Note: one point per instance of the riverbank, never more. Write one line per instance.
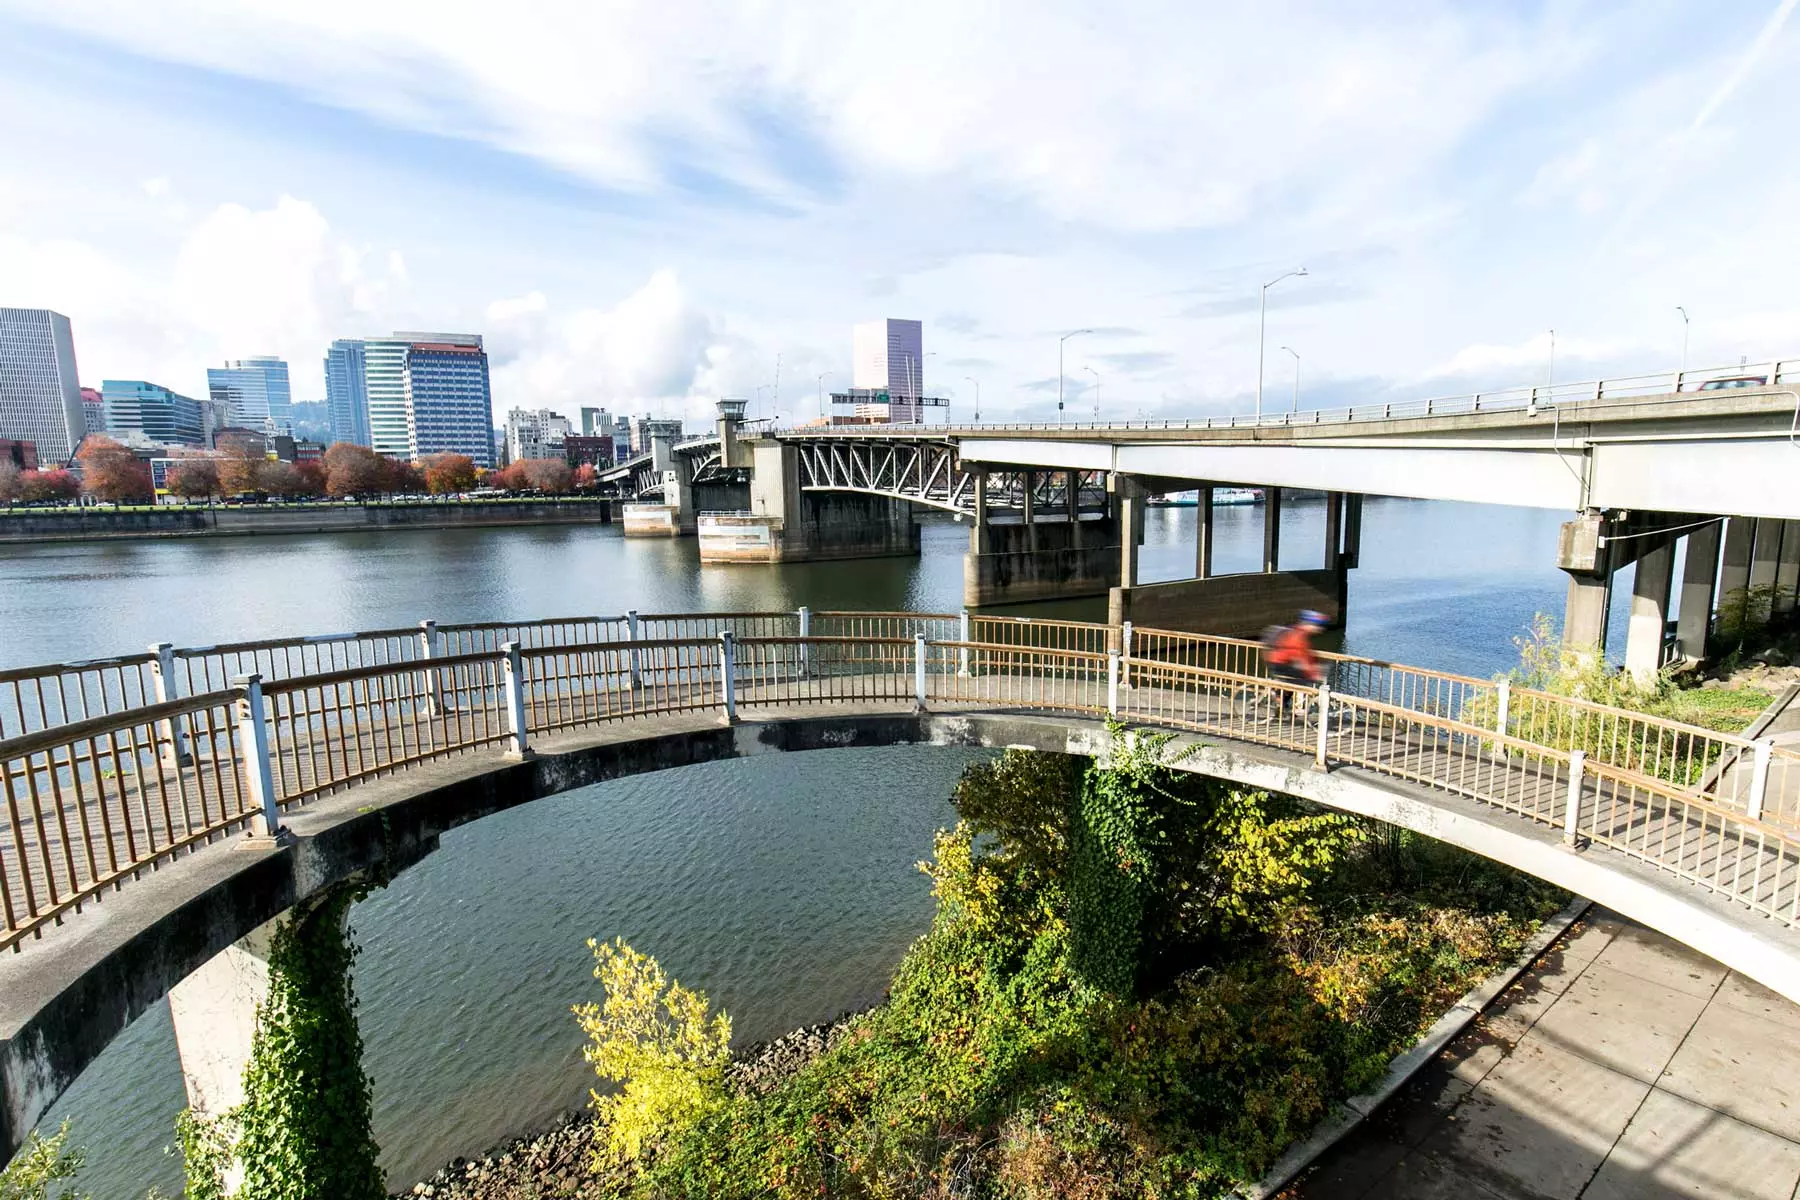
(108, 524)
(555, 1162)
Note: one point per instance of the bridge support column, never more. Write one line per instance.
(1699, 577)
(1765, 557)
(1583, 552)
(1649, 613)
(1271, 530)
(1203, 538)
(785, 524)
(1131, 522)
(1734, 570)
(1787, 569)
(1011, 562)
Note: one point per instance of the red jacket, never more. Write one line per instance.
(1294, 649)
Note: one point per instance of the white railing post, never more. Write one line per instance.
(259, 768)
(1759, 777)
(1572, 812)
(1324, 723)
(167, 687)
(962, 635)
(728, 676)
(428, 650)
(1503, 707)
(632, 631)
(1112, 683)
(512, 675)
(919, 670)
(805, 615)
(1125, 654)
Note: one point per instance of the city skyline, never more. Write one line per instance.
(1458, 182)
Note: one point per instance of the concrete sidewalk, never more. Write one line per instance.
(1623, 1066)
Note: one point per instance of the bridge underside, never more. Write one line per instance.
(64, 999)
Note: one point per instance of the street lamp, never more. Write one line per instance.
(1684, 338)
(977, 384)
(1262, 325)
(1096, 376)
(822, 375)
(1059, 368)
(1295, 407)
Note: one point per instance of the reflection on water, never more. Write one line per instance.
(782, 885)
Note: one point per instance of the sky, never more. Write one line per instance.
(648, 206)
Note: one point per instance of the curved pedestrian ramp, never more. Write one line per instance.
(158, 806)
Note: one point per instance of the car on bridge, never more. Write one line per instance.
(1731, 382)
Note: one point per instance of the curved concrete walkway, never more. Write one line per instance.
(1622, 1066)
(63, 1001)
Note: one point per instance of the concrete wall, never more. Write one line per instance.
(1011, 571)
(1229, 605)
(91, 524)
(830, 526)
(652, 520)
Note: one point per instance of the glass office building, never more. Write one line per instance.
(142, 412)
(447, 393)
(253, 393)
(40, 396)
(347, 391)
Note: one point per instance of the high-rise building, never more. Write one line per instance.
(596, 422)
(347, 391)
(645, 427)
(40, 395)
(535, 433)
(889, 356)
(426, 393)
(254, 393)
(448, 397)
(93, 410)
(148, 414)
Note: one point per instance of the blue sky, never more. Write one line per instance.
(643, 205)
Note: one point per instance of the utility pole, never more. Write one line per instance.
(1262, 328)
(1059, 369)
(1096, 376)
(977, 384)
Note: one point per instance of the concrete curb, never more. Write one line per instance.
(1411, 1061)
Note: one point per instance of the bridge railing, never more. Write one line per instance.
(35, 698)
(92, 804)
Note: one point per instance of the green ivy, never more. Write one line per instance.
(1114, 844)
(303, 1131)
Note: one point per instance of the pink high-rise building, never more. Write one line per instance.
(888, 356)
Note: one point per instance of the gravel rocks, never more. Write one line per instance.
(554, 1165)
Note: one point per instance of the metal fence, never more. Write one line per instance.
(92, 802)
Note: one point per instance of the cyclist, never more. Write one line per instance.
(1290, 654)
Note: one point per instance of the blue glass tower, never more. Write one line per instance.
(347, 391)
(253, 393)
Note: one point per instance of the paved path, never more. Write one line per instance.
(1622, 1067)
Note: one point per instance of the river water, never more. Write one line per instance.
(783, 886)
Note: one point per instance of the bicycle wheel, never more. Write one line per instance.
(1255, 705)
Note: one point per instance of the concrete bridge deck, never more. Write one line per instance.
(120, 878)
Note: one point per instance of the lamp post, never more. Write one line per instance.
(1262, 326)
(1096, 376)
(1059, 368)
(977, 384)
(1295, 407)
(1684, 338)
(822, 375)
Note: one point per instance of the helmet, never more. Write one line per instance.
(1312, 616)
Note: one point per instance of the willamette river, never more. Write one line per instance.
(783, 886)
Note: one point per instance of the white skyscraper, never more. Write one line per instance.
(40, 396)
(889, 356)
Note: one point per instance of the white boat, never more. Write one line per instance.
(1220, 496)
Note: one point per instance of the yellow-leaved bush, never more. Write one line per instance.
(658, 1043)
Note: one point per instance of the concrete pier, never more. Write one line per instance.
(785, 524)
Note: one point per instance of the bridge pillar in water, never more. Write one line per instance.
(674, 515)
(1244, 604)
(1039, 555)
(785, 524)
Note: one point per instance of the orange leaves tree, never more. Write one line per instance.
(111, 472)
(448, 473)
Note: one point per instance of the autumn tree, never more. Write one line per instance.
(447, 473)
(549, 475)
(240, 461)
(111, 472)
(9, 482)
(403, 477)
(587, 476)
(278, 478)
(352, 470)
(56, 484)
(194, 478)
(312, 477)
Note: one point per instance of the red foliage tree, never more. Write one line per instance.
(240, 460)
(352, 470)
(587, 477)
(312, 477)
(56, 484)
(9, 482)
(111, 472)
(549, 475)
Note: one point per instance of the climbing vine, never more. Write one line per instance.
(303, 1131)
(1115, 837)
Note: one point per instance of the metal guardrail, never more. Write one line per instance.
(1513, 399)
(93, 803)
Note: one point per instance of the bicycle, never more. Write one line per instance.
(1262, 704)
